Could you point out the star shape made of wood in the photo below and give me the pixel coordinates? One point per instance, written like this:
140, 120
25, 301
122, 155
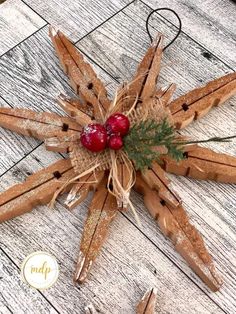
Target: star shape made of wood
60, 133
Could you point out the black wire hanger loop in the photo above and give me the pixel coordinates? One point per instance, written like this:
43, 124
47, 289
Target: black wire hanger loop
179, 29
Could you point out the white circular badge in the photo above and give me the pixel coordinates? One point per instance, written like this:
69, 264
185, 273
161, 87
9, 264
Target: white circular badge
40, 270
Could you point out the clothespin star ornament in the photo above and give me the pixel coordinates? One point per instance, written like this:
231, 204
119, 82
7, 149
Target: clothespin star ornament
137, 158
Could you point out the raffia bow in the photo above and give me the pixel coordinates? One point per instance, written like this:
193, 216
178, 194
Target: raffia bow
115, 162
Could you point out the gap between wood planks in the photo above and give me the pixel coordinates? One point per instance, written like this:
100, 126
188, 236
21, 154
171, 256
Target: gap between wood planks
147, 236
18, 268
126, 217
39, 29
117, 82
47, 23
206, 49
174, 263
101, 51
35, 11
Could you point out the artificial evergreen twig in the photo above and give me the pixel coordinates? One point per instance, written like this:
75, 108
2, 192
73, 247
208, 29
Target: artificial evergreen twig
142, 139
146, 135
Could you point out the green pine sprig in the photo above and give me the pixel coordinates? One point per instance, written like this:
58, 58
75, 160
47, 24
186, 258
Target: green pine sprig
144, 136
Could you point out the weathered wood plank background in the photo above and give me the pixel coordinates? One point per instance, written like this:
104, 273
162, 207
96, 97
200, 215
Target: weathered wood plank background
112, 35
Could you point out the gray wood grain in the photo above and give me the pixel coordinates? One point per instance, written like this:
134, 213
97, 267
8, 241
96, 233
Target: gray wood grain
17, 22
35, 74
128, 265
77, 18
118, 47
15, 295
34, 71
212, 23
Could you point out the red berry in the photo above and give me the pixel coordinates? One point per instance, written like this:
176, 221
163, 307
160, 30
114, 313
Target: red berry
115, 142
94, 137
117, 123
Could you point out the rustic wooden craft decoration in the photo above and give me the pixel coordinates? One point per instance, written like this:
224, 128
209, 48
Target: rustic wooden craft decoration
147, 303
145, 306
111, 172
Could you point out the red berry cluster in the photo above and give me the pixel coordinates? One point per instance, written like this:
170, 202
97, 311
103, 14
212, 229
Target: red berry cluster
96, 137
